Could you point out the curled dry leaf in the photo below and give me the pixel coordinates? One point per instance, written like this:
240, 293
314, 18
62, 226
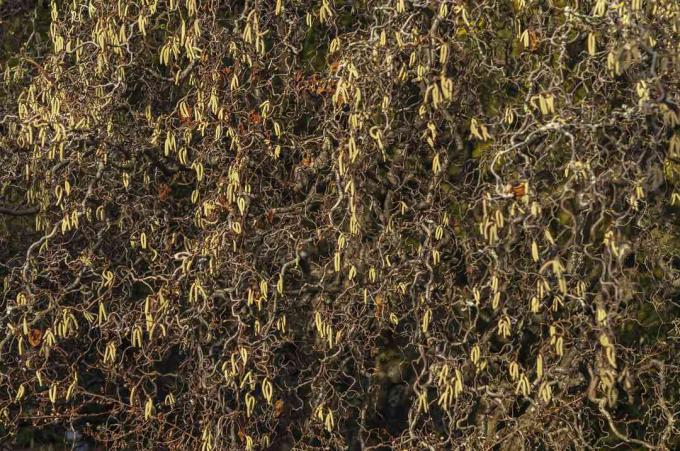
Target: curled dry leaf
278, 407
35, 337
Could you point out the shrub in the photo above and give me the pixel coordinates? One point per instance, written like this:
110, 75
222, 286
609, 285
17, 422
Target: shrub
341, 224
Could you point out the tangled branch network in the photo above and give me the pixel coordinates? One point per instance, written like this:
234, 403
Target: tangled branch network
340, 224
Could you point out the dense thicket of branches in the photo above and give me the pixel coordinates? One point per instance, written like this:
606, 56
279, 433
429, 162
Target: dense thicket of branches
341, 224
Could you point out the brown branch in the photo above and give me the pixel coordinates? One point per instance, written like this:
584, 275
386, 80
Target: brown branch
17, 211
